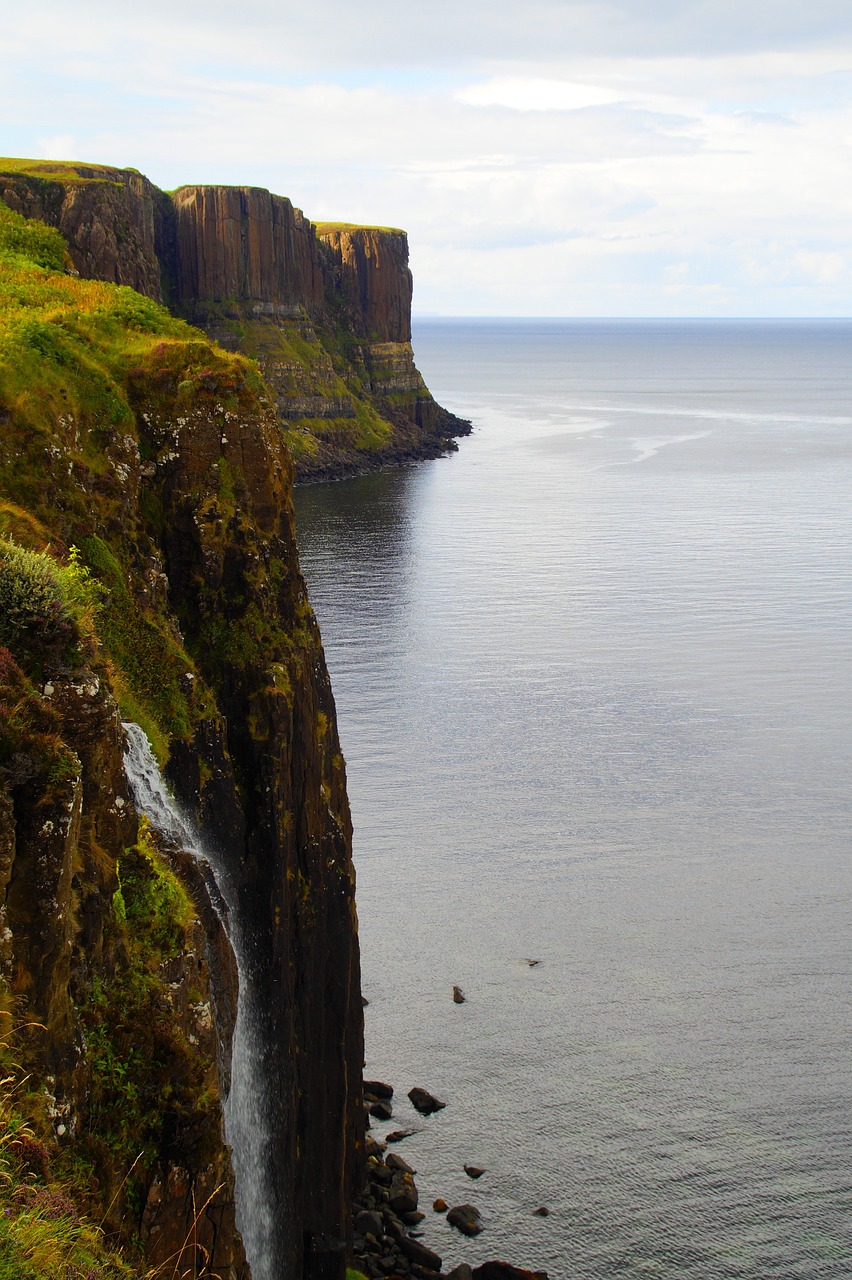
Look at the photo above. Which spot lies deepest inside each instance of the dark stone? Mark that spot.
(377, 1089)
(403, 1193)
(381, 1110)
(541, 1212)
(398, 1135)
(419, 1253)
(472, 1171)
(466, 1219)
(440, 1206)
(461, 1272)
(458, 995)
(369, 1222)
(424, 1102)
(412, 1219)
(393, 1161)
(373, 1148)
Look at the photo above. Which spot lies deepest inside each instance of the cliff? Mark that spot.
(148, 572)
(325, 310)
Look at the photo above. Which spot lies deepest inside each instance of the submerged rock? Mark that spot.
(473, 1171)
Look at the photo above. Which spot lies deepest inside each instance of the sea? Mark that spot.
(594, 689)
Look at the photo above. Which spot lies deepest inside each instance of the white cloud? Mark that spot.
(541, 175)
(532, 94)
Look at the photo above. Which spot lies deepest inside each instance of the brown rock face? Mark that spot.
(116, 222)
(268, 783)
(367, 268)
(65, 819)
(244, 246)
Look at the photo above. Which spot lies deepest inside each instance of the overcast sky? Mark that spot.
(639, 157)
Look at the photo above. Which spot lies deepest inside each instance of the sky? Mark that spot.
(632, 158)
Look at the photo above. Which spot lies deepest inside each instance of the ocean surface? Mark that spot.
(595, 695)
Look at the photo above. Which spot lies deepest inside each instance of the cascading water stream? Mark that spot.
(248, 1127)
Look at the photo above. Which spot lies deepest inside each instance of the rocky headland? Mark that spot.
(325, 309)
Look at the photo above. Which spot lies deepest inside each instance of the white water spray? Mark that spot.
(247, 1115)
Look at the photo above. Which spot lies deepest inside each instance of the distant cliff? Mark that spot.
(149, 572)
(325, 310)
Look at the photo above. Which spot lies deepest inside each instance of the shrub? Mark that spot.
(32, 607)
(45, 607)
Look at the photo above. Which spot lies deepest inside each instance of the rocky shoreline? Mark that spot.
(386, 1215)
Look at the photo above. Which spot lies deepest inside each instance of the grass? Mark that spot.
(59, 170)
(77, 357)
(328, 228)
(44, 1235)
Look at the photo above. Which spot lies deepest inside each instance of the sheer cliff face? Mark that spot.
(116, 222)
(181, 506)
(369, 270)
(242, 245)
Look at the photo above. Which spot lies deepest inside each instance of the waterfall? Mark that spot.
(248, 1122)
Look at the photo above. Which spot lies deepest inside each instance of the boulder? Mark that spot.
(420, 1254)
(368, 1222)
(377, 1089)
(541, 1212)
(461, 1272)
(393, 1161)
(440, 1206)
(458, 995)
(398, 1135)
(382, 1110)
(425, 1102)
(466, 1219)
(473, 1171)
(403, 1193)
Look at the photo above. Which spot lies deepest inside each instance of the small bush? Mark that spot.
(45, 607)
(32, 607)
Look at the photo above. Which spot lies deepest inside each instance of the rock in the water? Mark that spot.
(393, 1161)
(541, 1212)
(398, 1135)
(382, 1109)
(377, 1089)
(373, 1148)
(440, 1206)
(403, 1193)
(417, 1252)
(413, 1219)
(424, 1101)
(461, 1272)
(472, 1171)
(466, 1219)
(458, 995)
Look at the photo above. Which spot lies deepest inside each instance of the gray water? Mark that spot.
(592, 675)
(249, 1111)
